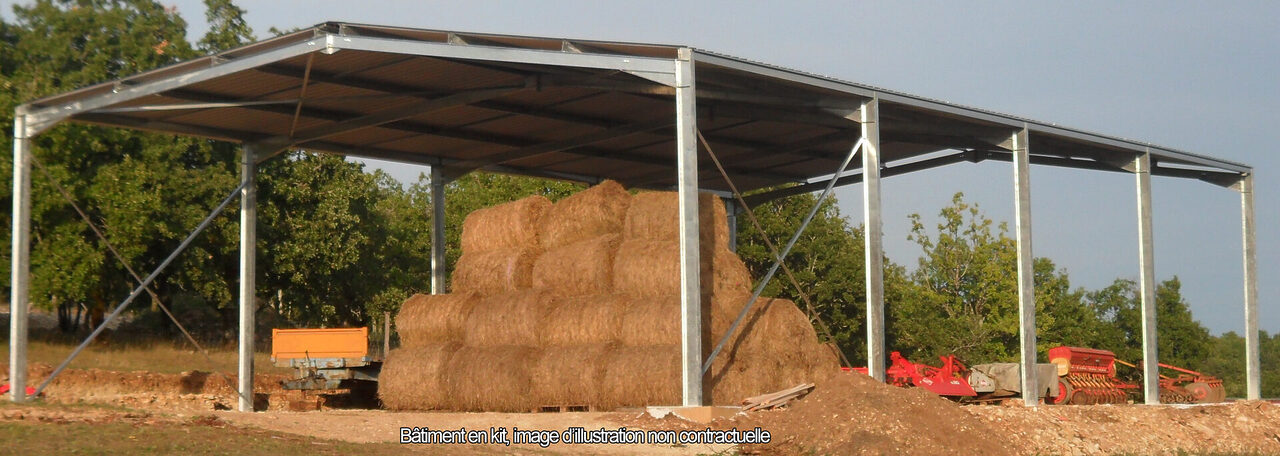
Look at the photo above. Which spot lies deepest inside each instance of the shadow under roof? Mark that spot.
(571, 109)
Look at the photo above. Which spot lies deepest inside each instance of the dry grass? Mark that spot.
(124, 433)
(160, 357)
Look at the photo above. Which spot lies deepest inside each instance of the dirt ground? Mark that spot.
(846, 414)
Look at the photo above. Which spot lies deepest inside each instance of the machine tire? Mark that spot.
(1065, 392)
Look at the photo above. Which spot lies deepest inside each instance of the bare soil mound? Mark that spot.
(1246, 427)
(853, 414)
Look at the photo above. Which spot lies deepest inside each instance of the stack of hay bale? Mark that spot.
(577, 304)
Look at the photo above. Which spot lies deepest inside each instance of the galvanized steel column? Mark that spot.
(248, 273)
(1026, 281)
(20, 281)
(731, 211)
(869, 117)
(687, 186)
(1147, 281)
(438, 265)
(1253, 372)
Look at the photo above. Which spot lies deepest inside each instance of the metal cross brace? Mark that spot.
(706, 366)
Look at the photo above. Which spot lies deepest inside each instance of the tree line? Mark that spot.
(339, 245)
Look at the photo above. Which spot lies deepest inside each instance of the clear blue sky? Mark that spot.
(1195, 76)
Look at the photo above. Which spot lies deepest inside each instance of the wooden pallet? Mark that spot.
(776, 399)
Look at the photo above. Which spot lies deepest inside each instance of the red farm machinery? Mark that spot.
(1074, 375)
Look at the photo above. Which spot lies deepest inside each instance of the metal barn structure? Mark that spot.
(591, 110)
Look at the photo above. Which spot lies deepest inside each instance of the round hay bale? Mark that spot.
(411, 377)
(433, 319)
(513, 318)
(581, 320)
(647, 268)
(640, 376)
(652, 268)
(733, 379)
(580, 268)
(729, 274)
(772, 325)
(569, 375)
(655, 216)
(505, 226)
(651, 321)
(494, 272)
(591, 213)
(490, 379)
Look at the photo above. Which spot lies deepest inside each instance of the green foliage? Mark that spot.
(227, 27)
(339, 243)
(478, 190)
(1181, 340)
(827, 261)
(963, 298)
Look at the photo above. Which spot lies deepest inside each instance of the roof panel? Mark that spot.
(763, 120)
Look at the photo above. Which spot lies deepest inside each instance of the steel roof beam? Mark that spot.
(959, 111)
(503, 54)
(850, 179)
(41, 119)
(394, 114)
(565, 144)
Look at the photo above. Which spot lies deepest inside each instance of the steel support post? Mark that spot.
(438, 265)
(869, 116)
(731, 211)
(248, 273)
(1252, 359)
(21, 268)
(1147, 281)
(687, 186)
(1026, 281)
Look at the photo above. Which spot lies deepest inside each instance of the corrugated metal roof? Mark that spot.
(464, 104)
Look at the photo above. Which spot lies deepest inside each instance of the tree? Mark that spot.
(1181, 340)
(227, 27)
(480, 189)
(964, 297)
(827, 261)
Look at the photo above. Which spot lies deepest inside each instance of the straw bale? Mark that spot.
(578, 320)
(771, 324)
(433, 319)
(652, 268)
(651, 321)
(513, 318)
(656, 320)
(411, 377)
(494, 272)
(494, 379)
(655, 216)
(570, 375)
(729, 274)
(591, 213)
(639, 376)
(581, 268)
(504, 226)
